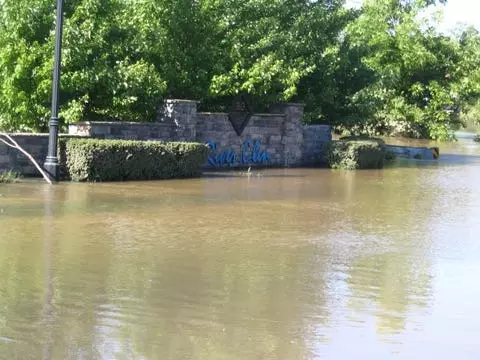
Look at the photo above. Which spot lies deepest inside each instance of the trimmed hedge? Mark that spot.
(120, 160)
(356, 153)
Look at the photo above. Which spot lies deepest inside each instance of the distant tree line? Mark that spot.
(379, 69)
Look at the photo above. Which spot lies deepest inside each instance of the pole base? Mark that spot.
(52, 169)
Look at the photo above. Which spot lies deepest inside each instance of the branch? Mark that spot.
(13, 144)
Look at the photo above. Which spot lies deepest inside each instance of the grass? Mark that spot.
(9, 177)
(249, 173)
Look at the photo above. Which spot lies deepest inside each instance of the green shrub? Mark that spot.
(477, 138)
(351, 154)
(119, 160)
(9, 176)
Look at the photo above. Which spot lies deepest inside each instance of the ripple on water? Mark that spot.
(276, 267)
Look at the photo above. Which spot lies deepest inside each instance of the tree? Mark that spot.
(376, 70)
(409, 87)
(121, 57)
(272, 47)
(104, 73)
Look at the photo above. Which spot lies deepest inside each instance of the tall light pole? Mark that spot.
(51, 163)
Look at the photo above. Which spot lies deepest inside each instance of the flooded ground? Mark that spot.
(284, 264)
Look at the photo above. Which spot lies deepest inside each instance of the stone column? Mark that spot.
(292, 134)
(182, 114)
(83, 128)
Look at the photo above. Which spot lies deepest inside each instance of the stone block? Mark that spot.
(130, 135)
(143, 134)
(221, 126)
(100, 130)
(4, 159)
(260, 122)
(275, 139)
(165, 135)
(4, 149)
(153, 135)
(116, 130)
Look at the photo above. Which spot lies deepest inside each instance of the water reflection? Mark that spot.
(261, 267)
(48, 223)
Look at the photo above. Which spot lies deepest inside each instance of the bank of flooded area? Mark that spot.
(272, 264)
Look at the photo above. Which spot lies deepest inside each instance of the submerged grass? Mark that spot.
(9, 177)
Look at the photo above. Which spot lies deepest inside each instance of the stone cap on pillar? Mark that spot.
(181, 101)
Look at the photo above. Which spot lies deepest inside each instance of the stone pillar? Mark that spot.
(292, 133)
(182, 114)
(315, 138)
(83, 128)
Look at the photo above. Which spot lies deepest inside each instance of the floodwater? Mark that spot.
(282, 264)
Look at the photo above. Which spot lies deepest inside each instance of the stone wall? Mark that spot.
(181, 116)
(123, 130)
(274, 139)
(292, 132)
(12, 159)
(314, 139)
(260, 143)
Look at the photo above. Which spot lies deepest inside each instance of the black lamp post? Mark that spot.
(51, 163)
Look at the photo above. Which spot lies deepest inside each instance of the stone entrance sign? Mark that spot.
(238, 139)
(240, 114)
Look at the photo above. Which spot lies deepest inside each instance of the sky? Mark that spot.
(454, 12)
(460, 11)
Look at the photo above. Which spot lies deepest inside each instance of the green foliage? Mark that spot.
(411, 88)
(377, 70)
(352, 154)
(121, 58)
(105, 73)
(9, 176)
(119, 160)
(275, 49)
(477, 138)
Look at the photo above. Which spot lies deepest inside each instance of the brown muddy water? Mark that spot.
(284, 264)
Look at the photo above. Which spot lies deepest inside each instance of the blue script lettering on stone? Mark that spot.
(226, 158)
(250, 154)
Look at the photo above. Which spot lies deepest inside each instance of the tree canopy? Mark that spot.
(379, 69)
